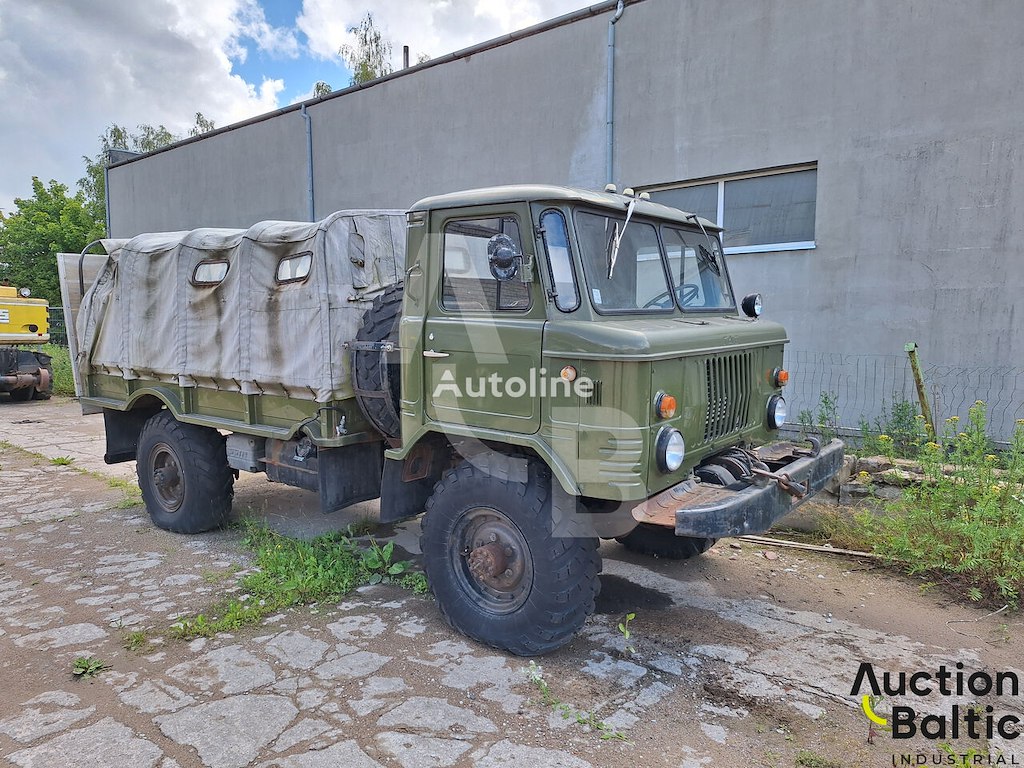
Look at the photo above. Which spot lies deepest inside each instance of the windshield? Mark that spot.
(697, 269)
(635, 281)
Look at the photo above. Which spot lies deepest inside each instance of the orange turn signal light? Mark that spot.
(665, 405)
(781, 376)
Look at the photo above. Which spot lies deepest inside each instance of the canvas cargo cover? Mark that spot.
(259, 323)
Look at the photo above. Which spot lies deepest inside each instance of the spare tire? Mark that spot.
(376, 373)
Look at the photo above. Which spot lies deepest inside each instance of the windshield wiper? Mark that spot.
(707, 257)
(616, 239)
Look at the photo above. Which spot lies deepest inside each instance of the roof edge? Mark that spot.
(497, 42)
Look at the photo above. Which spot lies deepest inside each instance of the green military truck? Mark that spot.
(535, 368)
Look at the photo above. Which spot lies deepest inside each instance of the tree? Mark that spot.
(370, 57)
(43, 225)
(203, 125)
(145, 138)
(321, 89)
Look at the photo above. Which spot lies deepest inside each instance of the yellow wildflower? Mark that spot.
(979, 402)
(932, 446)
(885, 438)
(953, 419)
(863, 474)
(990, 457)
(997, 489)
(919, 417)
(1020, 422)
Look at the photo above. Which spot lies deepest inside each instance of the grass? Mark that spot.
(132, 641)
(961, 526)
(62, 461)
(293, 572)
(808, 759)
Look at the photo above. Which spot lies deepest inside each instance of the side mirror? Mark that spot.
(503, 257)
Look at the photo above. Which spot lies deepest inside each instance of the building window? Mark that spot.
(764, 211)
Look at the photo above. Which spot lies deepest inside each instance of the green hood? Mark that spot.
(656, 338)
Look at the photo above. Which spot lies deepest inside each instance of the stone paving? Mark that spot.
(739, 659)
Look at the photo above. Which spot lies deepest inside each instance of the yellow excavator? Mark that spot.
(24, 373)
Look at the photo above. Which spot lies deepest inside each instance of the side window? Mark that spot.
(563, 277)
(292, 269)
(209, 273)
(468, 284)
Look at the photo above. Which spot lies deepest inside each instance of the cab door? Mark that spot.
(482, 338)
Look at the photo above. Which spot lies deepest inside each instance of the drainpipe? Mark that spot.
(309, 160)
(106, 195)
(610, 120)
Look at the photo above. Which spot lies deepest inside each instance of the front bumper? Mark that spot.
(709, 511)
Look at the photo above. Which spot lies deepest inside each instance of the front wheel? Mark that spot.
(498, 572)
(184, 475)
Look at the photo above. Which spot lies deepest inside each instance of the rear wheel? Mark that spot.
(499, 574)
(659, 541)
(184, 475)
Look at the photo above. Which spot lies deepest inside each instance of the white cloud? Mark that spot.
(433, 27)
(70, 69)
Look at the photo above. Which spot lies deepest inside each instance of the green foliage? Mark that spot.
(321, 89)
(370, 57)
(60, 359)
(132, 641)
(582, 717)
(293, 572)
(47, 223)
(807, 759)
(145, 138)
(61, 461)
(899, 431)
(964, 522)
(626, 634)
(85, 667)
(825, 422)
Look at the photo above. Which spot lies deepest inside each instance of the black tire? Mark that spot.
(658, 541)
(553, 581)
(184, 475)
(377, 383)
(22, 395)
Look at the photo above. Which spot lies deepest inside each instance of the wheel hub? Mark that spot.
(488, 561)
(167, 478)
(496, 565)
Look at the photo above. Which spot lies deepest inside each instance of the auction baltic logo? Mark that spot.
(976, 721)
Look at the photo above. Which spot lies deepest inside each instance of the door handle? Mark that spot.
(432, 353)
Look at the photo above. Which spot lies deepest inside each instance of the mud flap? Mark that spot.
(349, 474)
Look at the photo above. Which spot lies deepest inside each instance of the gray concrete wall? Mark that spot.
(914, 114)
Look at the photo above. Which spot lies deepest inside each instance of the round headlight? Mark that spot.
(776, 412)
(670, 449)
(751, 305)
(24, 293)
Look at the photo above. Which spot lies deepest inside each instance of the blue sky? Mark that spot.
(299, 73)
(70, 69)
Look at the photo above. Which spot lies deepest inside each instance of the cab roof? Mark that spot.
(516, 193)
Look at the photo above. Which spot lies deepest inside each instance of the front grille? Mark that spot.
(729, 380)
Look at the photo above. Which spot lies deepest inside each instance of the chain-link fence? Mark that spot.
(58, 329)
(863, 386)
